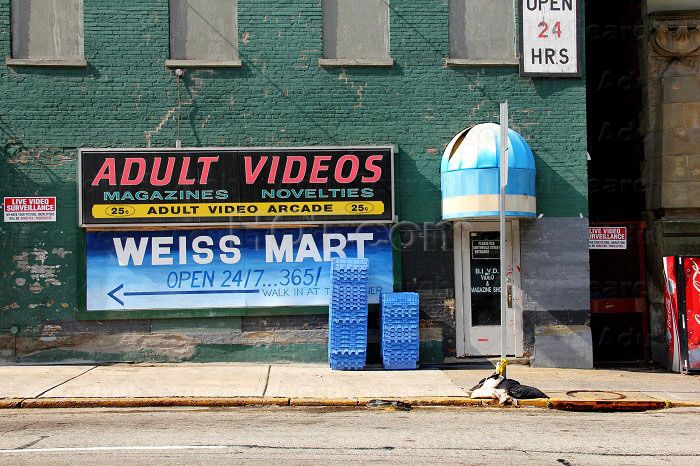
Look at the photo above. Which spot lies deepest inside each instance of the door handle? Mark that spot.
(510, 296)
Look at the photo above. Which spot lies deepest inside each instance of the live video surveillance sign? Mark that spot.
(549, 38)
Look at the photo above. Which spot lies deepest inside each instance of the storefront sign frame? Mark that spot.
(389, 217)
(117, 277)
(524, 41)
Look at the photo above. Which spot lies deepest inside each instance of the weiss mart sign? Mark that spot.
(229, 268)
(30, 209)
(607, 238)
(549, 38)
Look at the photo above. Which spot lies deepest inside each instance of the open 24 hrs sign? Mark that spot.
(549, 38)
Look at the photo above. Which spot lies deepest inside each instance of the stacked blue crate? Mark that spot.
(347, 314)
(399, 330)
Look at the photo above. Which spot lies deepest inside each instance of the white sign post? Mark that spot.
(549, 38)
(503, 165)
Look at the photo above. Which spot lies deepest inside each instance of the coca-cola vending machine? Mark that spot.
(682, 306)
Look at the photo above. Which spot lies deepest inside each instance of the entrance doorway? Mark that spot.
(478, 287)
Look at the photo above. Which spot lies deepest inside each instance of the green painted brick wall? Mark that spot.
(279, 97)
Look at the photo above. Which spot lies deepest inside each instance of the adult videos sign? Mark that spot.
(235, 185)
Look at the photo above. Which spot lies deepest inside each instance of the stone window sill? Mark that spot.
(481, 62)
(73, 63)
(203, 63)
(356, 62)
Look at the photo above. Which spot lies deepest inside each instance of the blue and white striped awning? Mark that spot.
(469, 175)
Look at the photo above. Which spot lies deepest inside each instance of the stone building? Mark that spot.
(643, 103)
(670, 57)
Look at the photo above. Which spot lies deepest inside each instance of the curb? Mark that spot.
(10, 403)
(608, 406)
(151, 402)
(328, 402)
(154, 402)
(684, 404)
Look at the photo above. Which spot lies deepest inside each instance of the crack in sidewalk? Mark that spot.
(64, 382)
(267, 379)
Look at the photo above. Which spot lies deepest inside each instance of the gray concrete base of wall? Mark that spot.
(567, 346)
(556, 292)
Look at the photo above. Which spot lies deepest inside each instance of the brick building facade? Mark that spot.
(123, 95)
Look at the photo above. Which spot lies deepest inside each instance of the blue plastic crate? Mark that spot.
(347, 359)
(400, 365)
(400, 332)
(340, 364)
(346, 299)
(345, 309)
(399, 309)
(400, 301)
(348, 353)
(399, 317)
(348, 325)
(398, 328)
(350, 338)
(348, 263)
(357, 306)
(394, 339)
(398, 348)
(400, 354)
(347, 318)
(343, 292)
(349, 270)
(347, 314)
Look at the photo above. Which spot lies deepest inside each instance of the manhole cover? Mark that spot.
(595, 395)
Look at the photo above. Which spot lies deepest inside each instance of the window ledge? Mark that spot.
(73, 63)
(481, 62)
(202, 63)
(356, 62)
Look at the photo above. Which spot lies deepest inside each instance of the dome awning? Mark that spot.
(469, 175)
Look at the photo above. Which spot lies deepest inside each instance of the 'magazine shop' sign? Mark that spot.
(228, 268)
(231, 185)
(549, 38)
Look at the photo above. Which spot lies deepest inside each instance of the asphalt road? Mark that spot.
(313, 436)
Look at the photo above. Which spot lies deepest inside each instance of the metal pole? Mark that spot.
(502, 223)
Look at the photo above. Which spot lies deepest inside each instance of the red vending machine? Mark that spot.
(682, 304)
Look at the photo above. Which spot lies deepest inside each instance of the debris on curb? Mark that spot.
(388, 405)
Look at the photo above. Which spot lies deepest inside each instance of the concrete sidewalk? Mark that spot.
(220, 384)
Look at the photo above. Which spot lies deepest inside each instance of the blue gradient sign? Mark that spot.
(228, 268)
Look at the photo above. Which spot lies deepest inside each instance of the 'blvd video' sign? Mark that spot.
(549, 38)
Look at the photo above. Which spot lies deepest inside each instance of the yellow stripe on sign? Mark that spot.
(235, 209)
